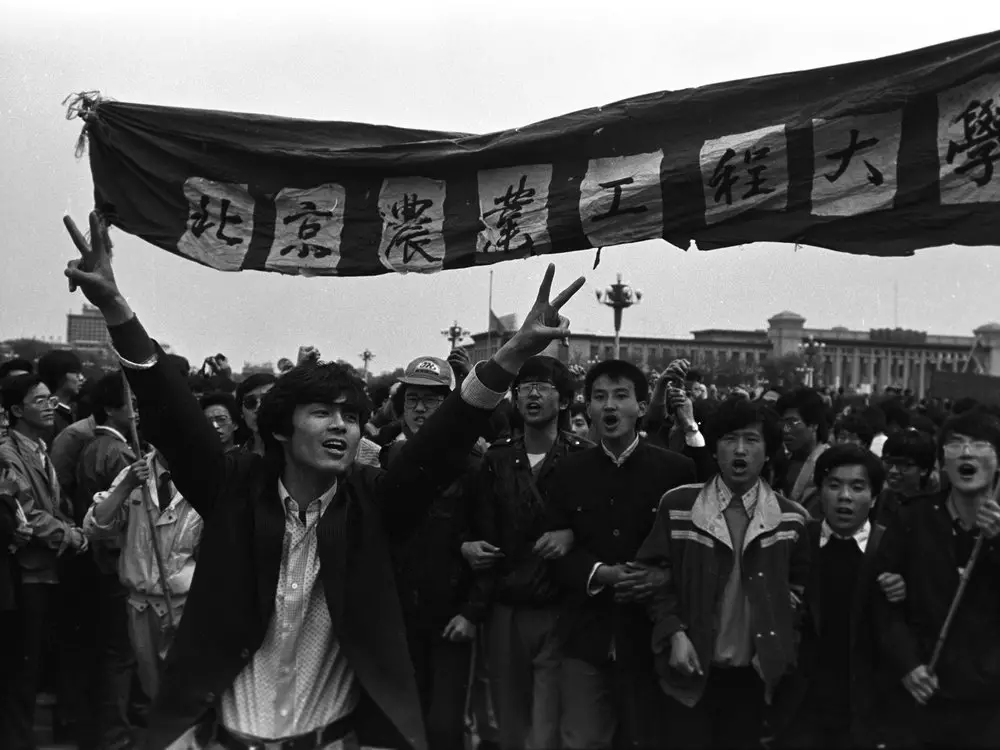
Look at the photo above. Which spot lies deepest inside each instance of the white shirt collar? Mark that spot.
(620, 460)
(750, 497)
(291, 506)
(110, 430)
(860, 536)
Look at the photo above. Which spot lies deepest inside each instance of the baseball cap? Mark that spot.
(429, 371)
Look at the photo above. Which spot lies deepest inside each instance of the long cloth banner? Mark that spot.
(879, 157)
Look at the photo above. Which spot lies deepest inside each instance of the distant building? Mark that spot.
(855, 360)
(87, 330)
(250, 368)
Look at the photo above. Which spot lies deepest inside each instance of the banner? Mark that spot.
(957, 385)
(880, 158)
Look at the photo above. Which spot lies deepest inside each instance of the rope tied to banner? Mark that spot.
(83, 105)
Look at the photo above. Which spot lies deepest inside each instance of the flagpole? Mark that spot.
(489, 321)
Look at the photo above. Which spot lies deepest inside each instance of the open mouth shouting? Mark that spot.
(967, 470)
(740, 465)
(533, 408)
(335, 446)
(611, 423)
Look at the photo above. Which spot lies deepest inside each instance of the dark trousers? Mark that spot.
(442, 672)
(32, 632)
(11, 657)
(525, 662)
(117, 689)
(730, 714)
(948, 723)
(613, 705)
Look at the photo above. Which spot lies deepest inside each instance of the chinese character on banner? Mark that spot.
(621, 199)
(854, 163)
(219, 223)
(307, 226)
(744, 171)
(513, 209)
(969, 141)
(412, 211)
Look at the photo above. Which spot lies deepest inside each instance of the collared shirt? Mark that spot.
(298, 680)
(734, 640)
(619, 461)
(860, 536)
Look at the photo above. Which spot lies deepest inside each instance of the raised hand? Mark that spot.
(542, 325)
(92, 272)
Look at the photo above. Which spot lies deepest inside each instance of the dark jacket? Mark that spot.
(510, 510)
(611, 511)
(431, 575)
(691, 538)
(920, 547)
(231, 600)
(10, 573)
(864, 692)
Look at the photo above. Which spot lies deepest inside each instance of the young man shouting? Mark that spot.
(292, 633)
(723, 623)
(607, 496)
(930, 545)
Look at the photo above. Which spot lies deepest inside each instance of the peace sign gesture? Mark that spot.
(92, 271)
(541, 326)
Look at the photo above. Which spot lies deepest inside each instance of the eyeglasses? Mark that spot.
(956, 447)
(429, 401)
(220, 421)
(792, 423)
(42, 401)
(251, 402)
(899, 463)
(544, 389)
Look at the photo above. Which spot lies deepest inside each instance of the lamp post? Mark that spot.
(366, 357)
(812, 349)
(454, 333)
(619, 297)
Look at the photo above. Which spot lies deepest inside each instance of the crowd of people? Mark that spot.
(513, 554)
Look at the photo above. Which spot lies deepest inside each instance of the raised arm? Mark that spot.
(170, 416)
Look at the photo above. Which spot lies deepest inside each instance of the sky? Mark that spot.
(456, 65)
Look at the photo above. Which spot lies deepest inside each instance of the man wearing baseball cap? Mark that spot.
(431, 577)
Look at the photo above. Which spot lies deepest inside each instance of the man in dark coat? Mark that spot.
(608, 495)
(292, 633)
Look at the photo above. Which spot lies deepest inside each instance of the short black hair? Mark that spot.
(737, 414)
(541, 368)
(14, 389)
(810, 407)
(54, 366)
(108, 393)
(916, 446)
(895, 413)
(850, 455)
(856, 425)
(251, 382)
(875, 417)
(6, 368)
(617, 369)
(579, 408)
(964, 404)
(221, 398)
(976, 423)
(309, 383)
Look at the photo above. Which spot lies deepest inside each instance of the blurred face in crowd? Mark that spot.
(251, 404)
(741, 456)
(796, 434)
(971, 463)
(614, 408)
(72, 384)
(903, 475)
(843, 437)
(222, 421)
(846, 496)
(419, 403)
(324, 437)
(578, 425)
(538, 403)
(37, 411)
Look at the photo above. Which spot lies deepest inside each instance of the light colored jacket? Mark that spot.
(178, 532)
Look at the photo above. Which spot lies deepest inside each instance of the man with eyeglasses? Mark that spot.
(512, 554)
(221, 412)
(25, 470)
(929, 545)
(804, 433)
(431, 577)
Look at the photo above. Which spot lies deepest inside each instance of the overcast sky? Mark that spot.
(459, 65)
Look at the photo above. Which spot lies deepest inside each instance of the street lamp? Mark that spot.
(812, 350)
(366, 357)
(454, 333)
(619, 297)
